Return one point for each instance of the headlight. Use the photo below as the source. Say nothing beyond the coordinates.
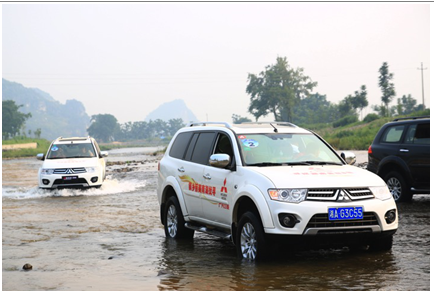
(381, 192)
(47, 171)
(90, 169)
(288, 195)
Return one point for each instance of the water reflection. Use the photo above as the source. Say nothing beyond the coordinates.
(205, 263)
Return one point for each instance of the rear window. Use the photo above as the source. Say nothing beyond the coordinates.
(180, 144)
(393, 134)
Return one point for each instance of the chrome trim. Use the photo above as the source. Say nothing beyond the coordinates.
(69, 171)
(315, 231)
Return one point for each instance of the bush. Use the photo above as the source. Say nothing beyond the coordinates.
(345, 121)
(370, 117)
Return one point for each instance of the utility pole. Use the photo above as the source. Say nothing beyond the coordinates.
(423, 97)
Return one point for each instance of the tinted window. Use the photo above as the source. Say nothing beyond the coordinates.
(393, 134)
(191, 147)
(202, 150)
(180, 144)
(224, 146)
(418, 134)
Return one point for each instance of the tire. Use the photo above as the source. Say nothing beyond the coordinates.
(250, 240)
(382, 244)
(174, 221)
(398, 187)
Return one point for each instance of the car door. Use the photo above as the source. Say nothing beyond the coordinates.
(190, 172)
(216, 204)
(415, 152)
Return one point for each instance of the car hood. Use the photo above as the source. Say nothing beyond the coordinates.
(320, 176)
(70, 163)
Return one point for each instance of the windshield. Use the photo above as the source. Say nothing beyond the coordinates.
(270, 149)
(73, 150)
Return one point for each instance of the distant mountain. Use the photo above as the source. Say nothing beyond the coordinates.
(53, 118)
(172, 110)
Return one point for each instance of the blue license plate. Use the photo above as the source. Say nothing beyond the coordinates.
(345, 213)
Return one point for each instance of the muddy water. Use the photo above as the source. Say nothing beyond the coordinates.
(111, 239)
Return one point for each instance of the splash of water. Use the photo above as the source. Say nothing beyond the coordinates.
(109, 187)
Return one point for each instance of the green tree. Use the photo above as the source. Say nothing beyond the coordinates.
(237, 119)
(315, 109)
(12, 119)
(174, 125)
(386, 86)
(278, 90)
(104, 127)
(359, 100)
(346, 107)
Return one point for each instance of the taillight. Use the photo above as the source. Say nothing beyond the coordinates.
(158, 166)
(370, 150)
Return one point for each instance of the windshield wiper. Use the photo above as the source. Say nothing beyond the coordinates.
(321, 163)
(265, 164)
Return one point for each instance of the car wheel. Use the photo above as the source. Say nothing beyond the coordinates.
(398, 187)
(174, 221)
(250, 238)
(382, 244)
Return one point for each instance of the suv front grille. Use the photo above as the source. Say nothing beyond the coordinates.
(69, 171)
(322, 221)
(337, 194)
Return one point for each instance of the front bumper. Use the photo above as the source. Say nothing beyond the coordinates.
(85, 180)
(312, 218)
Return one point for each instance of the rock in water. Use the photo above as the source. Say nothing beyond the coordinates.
(27, 267)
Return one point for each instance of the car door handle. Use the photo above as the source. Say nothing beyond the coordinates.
(207, 176)
(182, 170)
(404, 150)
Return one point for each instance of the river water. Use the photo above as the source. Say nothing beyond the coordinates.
(112, 239)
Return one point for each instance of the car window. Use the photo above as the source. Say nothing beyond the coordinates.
(393, 134)
(73, 150)
(202, 149)
(418, 134)
(224, 146)
(180, 144)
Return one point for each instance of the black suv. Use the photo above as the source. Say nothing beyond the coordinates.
(400, 155)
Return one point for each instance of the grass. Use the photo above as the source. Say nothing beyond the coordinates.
(42, 147)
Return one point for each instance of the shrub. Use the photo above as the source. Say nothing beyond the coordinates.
(370, 117)
(345, 121)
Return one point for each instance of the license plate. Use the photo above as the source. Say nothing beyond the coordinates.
(345, 213)
(68, 178)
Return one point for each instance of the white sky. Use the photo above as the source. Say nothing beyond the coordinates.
(127, 59)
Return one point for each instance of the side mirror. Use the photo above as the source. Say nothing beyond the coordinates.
(220, 160)
(349, 157)
(40, 157)
(104, 154)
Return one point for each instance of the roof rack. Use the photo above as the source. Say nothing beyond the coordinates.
(282, 123)
(209, 123)
(413, 117)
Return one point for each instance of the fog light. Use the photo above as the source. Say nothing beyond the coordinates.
(390, 216)
(288, 220)
(45, 181)
(94, 179)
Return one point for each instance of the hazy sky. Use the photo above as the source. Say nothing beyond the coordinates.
(127, 59)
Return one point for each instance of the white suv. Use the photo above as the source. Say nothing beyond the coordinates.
(259, 183)
(74, 162)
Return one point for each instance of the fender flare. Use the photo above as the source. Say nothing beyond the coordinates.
(394, 160)
(173, 183)
(260, 202)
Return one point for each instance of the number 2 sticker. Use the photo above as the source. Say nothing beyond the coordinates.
(250, 143)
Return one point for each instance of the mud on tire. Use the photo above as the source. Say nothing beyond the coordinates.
(174, 221)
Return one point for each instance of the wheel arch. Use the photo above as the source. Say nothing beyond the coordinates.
(394, 163)
(253, 201)
(171, 188)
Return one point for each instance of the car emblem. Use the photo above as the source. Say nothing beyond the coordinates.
(69, 171)
(342, 196)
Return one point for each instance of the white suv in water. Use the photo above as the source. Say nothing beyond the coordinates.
(259, 183)
(74, 162)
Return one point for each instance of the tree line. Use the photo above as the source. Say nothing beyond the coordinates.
(280, 90)
(287, 94)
